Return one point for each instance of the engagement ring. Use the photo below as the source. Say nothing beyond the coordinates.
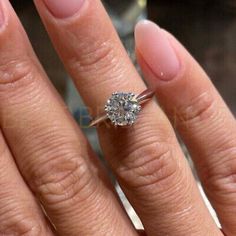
(122, 108)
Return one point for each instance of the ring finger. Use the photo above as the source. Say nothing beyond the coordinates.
(146, 158)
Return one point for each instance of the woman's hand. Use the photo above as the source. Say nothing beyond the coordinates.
(45, 159)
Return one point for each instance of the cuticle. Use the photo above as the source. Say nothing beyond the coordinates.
(69, 19)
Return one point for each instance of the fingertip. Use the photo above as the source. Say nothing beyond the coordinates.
(156, 50)
(62, 8)
(142, 24)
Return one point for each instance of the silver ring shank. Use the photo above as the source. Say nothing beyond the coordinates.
(145, 96)
(141, 98)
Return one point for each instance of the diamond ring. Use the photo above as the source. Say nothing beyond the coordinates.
(122, 108)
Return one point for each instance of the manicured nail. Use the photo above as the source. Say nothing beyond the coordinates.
(156, 50)
(1, 14)
(64, 8)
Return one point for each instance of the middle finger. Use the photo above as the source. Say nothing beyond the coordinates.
(50, 150)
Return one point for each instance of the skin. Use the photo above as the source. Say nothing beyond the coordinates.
(45, 161)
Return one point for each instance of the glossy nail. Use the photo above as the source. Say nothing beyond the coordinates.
(64, 8)
(156, 50)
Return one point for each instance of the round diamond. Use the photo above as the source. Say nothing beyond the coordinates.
(122, 108)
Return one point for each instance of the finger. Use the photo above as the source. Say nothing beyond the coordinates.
(202, 118)
(19, 212)
(146, 157)
(51, 152)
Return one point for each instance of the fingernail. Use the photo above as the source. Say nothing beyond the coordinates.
(64, 8)
(156, 50)
(1, 14)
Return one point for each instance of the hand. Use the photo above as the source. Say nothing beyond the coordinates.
(51, 182)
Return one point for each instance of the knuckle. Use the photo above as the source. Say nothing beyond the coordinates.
(15, 70)
(22, 227)
(94, 57)
(62, 173)
(94, 61)
(149, 165)
(200, 108)
(61, 180)
(220, 176)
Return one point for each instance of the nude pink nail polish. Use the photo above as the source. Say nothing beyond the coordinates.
(64, 8)
(156, 50)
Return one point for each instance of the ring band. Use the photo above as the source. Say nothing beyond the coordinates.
(122, 108)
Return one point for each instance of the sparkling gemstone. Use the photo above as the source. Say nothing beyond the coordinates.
(122, 108)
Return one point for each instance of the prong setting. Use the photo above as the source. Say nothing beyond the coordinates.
(122, 108)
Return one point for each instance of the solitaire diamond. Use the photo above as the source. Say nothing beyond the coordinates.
(122, 108)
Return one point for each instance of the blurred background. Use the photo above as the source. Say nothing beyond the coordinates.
(207, 28)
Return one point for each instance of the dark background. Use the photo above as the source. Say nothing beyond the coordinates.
(206, 28)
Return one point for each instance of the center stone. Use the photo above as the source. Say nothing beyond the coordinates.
(122, 108)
